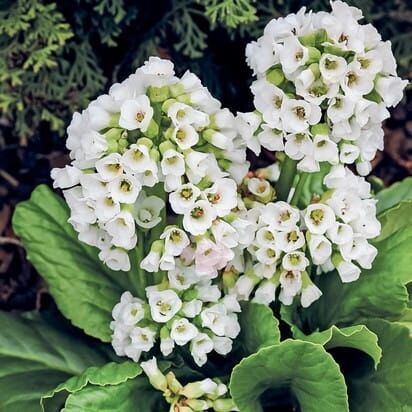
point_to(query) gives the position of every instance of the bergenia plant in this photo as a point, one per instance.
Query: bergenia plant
(205, 285)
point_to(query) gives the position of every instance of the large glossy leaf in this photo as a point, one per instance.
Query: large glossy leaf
(394, 194)
(357, 337)
(378, 293)
(282, 376)
(389, 388)
(34, 358)
(84, 289)
(259, 328)
(395, 218)
(111, 374)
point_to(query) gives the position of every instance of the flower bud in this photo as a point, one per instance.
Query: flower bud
(158, 94)
(156, 378)
(275, 76)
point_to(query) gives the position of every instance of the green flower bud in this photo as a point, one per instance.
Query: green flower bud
(114, 120)
(154, 154)
(166, 105)
(145, 141)
(152, 130)
(223, 405)
(174, 385)
(198, 404)
(176, 89)
(158, 94)
(115, 133)
(314, 55)
(320, 129)
(314, 67)
(229, 278)
(164, 146)
(275, 76)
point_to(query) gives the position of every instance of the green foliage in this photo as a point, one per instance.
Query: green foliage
(294, 372)
(35, 358)
(84, 289)
(387, 388)
(252, 336)
(86, 391)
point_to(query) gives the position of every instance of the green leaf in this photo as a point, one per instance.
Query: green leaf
(109, 374)
(134, 394)
(84, 289)
(379, 292)
(283, 375)
(355, 337)
(388, 389)
(395, 218)
(259, 327)
(394, 194)
(34, 358)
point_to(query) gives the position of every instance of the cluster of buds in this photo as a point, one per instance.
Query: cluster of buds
(152, 134)
(205, 395)
(289, 245)
(324, 83)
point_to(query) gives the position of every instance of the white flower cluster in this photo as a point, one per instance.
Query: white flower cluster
(332, 232)
(198, 317)
(153, 128)
(204, 395)
(323, 86)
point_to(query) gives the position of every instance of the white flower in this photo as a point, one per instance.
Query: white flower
(222, 345)
(106, 208)
(136, 114)
(391, 89)
(92, 185)
(244, 287)
(222, 195)
(340, 108)
(185, 136)
(151, 262)
(116, 259)
(332, 67)
(143, 339)
(268, 100)
(176, 240)
(298, 115)
(290, 241)
(199, 217)
(225, 234)
(137, 158)
(164, 305)
(66, 177)
(173, 163)
(184, 198)
(356, 82)
(156, 378)
(292, 55)
(121, 227)
(124, 189)
(214, 318)
(183, 114)
(109, 167)
(280, 215)
(247, 125)
(319, 218)
(320, 249)
(265, 293)
(183, 331)
(295, 261)
(160, 70)
(291, 284)
(340, 233)
(325, 150)
(210, 257)
(147, 210)
(348, 153)
(267, 255)
(192, 308)
(297, 145)
(200, 346)
(132, 313)
(271, 139)
(166, 346)
(348, 271)
(206, 292)
(182, 277)
(309, 295)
